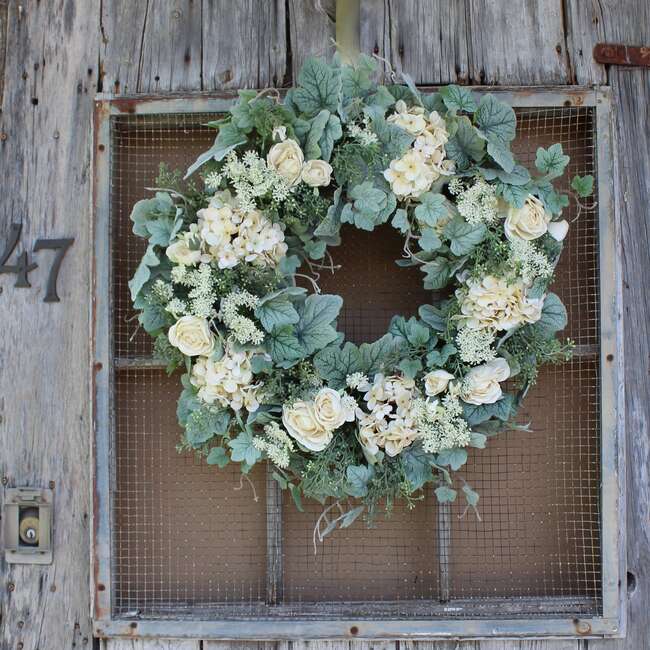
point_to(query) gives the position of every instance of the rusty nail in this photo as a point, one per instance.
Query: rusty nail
(101, 587)
(53, 588)
(354, 630)
(51, 484)
(101, 147)
(610, 357)
(133, 625)
(176, 13)
(3, 136)
(582, 627)
(11, 587)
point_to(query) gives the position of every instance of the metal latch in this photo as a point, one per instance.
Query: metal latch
(28, 526)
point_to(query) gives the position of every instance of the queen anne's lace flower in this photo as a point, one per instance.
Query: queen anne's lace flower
(440, 424)
(242, 329)
(475, 345)
(531, 262)
(478, 203)
(276, 443)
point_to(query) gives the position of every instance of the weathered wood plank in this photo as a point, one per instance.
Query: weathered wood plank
(424, 38)
(159, 644)
(585, 26)
(244, 44)
(50, 72)
(494, 645)
(517, 42)
(239, 645)
(312, 27)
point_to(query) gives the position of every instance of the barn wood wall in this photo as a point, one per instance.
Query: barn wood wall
(54, 57)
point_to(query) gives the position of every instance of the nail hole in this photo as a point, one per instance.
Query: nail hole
(610, 357)
(631, 582)
(34, 101)
(354, 630)
(101, 147)
(101, 587)
(133, 625)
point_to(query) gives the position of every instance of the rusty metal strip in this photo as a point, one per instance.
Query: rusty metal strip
(617, 54)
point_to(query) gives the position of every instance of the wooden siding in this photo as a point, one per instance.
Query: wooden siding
(55, 55)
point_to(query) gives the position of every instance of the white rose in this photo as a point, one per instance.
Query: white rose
(529, 222)
(287, 159)
(436, 382)
(481, 384)
(192, 336)
(180, 253)
(301, 423)
(316, 173)
(330, 409)
(558, 229)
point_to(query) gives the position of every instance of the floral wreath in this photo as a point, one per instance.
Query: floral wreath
(267, 375)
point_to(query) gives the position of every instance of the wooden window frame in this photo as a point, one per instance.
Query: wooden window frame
(492, 622)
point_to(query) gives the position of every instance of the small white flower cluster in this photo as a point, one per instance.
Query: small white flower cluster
(355, 380)
(212, 181)
(242, 328)
(440, 423)
(276, 444)
(389, 422)
(362, 133)
(478, 203)
(230, 235)
(252, 178)
(531, 262)
(202, 296)
(227, 381)
(414, 173)
(475, 345)
(497, 303)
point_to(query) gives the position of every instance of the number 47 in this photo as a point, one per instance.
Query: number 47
(24, 266)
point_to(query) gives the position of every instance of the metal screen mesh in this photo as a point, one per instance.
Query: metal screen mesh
(191, 540)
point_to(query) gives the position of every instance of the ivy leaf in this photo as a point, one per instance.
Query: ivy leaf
(496, 120)
(243, 450)
(284, 345)
(455, 458)
(431, 209)
(276, 312)
(319, 87)
(315, 249)
(501, 154)
(429, 240)
(401, 221)
(410, 367)
(437, 273)
(228, 138)
(438, 358)
(476, 414)
(583, 185)
(466, 146)
(143, 272)
(205, 423)
(551, 161)
(554, 315)
(375, 354)
(457, 98)
(553, 201)
(358, 477)
(334, 364)
(314, 330)
(217, 456)
(471, 496)
(513, 194)
(445, 494)
(464, 236)
(417, 467)
(477, 440)
(394, 140)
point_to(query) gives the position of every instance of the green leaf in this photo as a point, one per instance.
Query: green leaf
(553, 201)
(314, 330)
(205, 423)
(457, 98)
(276, 312)
(437, 273)
(433, 102)
(434, 317)
(417, 466)
(477, 440)
(554, 315)
(334, 364)
(243, 450)
(454, 458)
(476, 414)
(351, 516)
(496, 120)
(358, 477)
(228, 138)
(410, 367)
(401, 221)
(187, 402)
(331, 224)
(316, 130)
(501, 154)
(375, 354)
(315, 249)
(153, 317)
(517, 176)
(513, 194)
(372, 206)
(432, 207)
(466, 146)
(394, 140)
(217, 456)
(331, 133)
(284, 346)
(260, 363)
(583, 185)
(161, 230)
(551, 161)
(356, 79)
(445, 494)
(143, 272)
(148, 210)
(438, 358)
(319, 87)
(464, 236)
(470, 496)
(429, 240)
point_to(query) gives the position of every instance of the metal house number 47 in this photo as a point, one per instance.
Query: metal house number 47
(23, 266)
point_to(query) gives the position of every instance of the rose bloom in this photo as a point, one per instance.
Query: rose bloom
(436, 382)
(330, 410)
(316, 173)
(481, 384)
(529, 222)
(410, 176)
(287, 159)
(192, 336)
(180, 253)
(301, 423)
(411, 120)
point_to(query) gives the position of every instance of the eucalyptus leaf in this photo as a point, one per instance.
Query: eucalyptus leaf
(554, 315)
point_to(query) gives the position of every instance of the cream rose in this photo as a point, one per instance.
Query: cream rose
(436, 382)
(529, 222)
(180, 253)
(301, 423)
(192, 336)
(558, 229)
(287, 159)
(329, 409)
(481, 384)
(316, 173)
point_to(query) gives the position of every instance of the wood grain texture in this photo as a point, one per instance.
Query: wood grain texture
(312, 28)
(424, 38)
(51, 57)
(154, 644)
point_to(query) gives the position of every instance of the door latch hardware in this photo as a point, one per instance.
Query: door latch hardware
(28, 526)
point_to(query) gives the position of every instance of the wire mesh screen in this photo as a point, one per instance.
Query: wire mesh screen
(191, 540)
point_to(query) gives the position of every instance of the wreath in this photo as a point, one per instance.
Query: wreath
(228, 285)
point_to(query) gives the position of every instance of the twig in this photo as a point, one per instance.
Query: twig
(241, 486)
(308, 277)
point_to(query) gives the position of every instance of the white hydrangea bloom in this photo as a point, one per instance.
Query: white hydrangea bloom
(410, 175)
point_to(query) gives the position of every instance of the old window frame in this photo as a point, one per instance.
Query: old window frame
(612, 621)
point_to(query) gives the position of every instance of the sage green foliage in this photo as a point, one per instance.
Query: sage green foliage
(337, 114)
